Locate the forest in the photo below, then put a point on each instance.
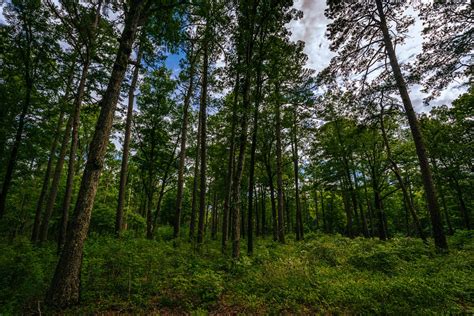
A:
(199, 157)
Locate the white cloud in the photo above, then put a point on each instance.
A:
(312, 28)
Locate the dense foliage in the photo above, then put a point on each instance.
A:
(199, 126)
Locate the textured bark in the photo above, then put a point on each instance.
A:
(65, 286)
(182, 153)
(203, 145)
(76, 115)
(119, 221)
(430, 192)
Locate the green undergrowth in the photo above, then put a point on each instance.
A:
(323, 274)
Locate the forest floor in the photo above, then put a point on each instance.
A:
(323, 274)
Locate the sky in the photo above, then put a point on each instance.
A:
(312, 27)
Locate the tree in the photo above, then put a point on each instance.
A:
(366, 33)
(64, 289)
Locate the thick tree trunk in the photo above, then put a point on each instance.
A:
(65, 286)
(281, 226)
(203, 145)
(119, 216)
(430, 192)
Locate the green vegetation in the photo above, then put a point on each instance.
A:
(196, 156)
(323, 274)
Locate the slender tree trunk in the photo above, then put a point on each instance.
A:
(323, 212)
(299, 217)
(443, 200)
(257, 214)
(149, 215)
(430, 192)
(397, 173)
(230, 168)
(182, 153)
(76, 115)
(53, 192)
(252, 170)
(47, 176)
(192, 223)
(65, 286)
(281, 227)
(263, 211)
(203, 145)
(119, 216)
(274, 209)
(214, 216)
(16, 145)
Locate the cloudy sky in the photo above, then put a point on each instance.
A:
(312, 27)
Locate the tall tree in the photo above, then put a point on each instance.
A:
(65, 286)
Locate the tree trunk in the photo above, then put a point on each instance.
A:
(214, 216)
(299, 217)
(397, 173)
(58, 169)
(203, 145)
(182, 153)
(192, 223)
(230, 168)
(64, 289)
(281, 227)
(119, 216)
(47, 176)
(76, 115)
(430, 192)
(16, 145)
(257, 214)
(263, 211)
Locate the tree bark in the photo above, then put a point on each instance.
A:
(119, 216)
(203, 145)
(281, 226)
(182, 153)
(230, 168)
(430, 192)
(299, 217)
(65, 286)
(192, 223)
